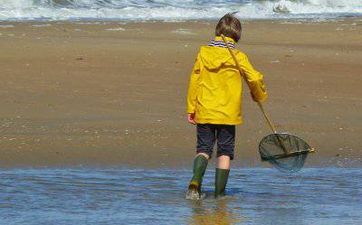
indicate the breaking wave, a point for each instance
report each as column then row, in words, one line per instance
column 174, row 9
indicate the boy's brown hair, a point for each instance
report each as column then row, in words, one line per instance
column 229, row 26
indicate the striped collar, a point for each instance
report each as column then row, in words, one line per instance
column 221, row 44
column 218, row 42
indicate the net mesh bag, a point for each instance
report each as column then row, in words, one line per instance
column 284, row 151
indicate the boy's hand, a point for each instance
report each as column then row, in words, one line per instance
column 191, row 118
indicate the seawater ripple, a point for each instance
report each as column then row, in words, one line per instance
column 156, row 196
column 174, row 9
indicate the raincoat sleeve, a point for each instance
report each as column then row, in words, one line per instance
column 254, row 79
column 193, row 86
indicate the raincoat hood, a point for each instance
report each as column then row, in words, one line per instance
column 214, row 58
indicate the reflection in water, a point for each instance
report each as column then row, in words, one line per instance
column 215, row 211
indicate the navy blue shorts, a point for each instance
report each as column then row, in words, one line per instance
column 207, row 134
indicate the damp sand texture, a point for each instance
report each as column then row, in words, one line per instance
column 101, row 93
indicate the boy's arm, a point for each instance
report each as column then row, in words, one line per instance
column 254, row 79
column 193, row 85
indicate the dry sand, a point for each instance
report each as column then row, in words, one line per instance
column 113, row 94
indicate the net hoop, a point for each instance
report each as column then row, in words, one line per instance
column 284, row 151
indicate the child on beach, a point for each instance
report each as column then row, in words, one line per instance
column 214, row 102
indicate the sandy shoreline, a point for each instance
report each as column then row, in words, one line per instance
column 113, row 94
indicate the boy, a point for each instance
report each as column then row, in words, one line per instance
column 214, row 102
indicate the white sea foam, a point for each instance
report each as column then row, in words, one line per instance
column 183, row 31
column 116, row 29
column 173, row 9
column 41, row 25
column 6, row 26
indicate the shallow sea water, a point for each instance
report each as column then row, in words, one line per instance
column 144, row 196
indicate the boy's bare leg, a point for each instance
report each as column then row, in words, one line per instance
column 223, row 162
column 203, row 154
column 221, row 174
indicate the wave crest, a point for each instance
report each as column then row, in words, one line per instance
column 173, row 9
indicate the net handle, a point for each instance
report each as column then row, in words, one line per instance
column 271, row 125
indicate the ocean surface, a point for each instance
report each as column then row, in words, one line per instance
column 330, row 196
column 170, row 10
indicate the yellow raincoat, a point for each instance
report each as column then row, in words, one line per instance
column 215, row 88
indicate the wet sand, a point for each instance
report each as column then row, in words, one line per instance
column 113, row 94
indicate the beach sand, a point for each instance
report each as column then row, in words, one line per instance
column 113, row 93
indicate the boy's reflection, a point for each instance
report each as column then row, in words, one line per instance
column 214, row 212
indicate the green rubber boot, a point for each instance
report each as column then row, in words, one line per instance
column 194, row 189
column 221, row 179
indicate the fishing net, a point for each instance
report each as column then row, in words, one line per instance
column 284, row 151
